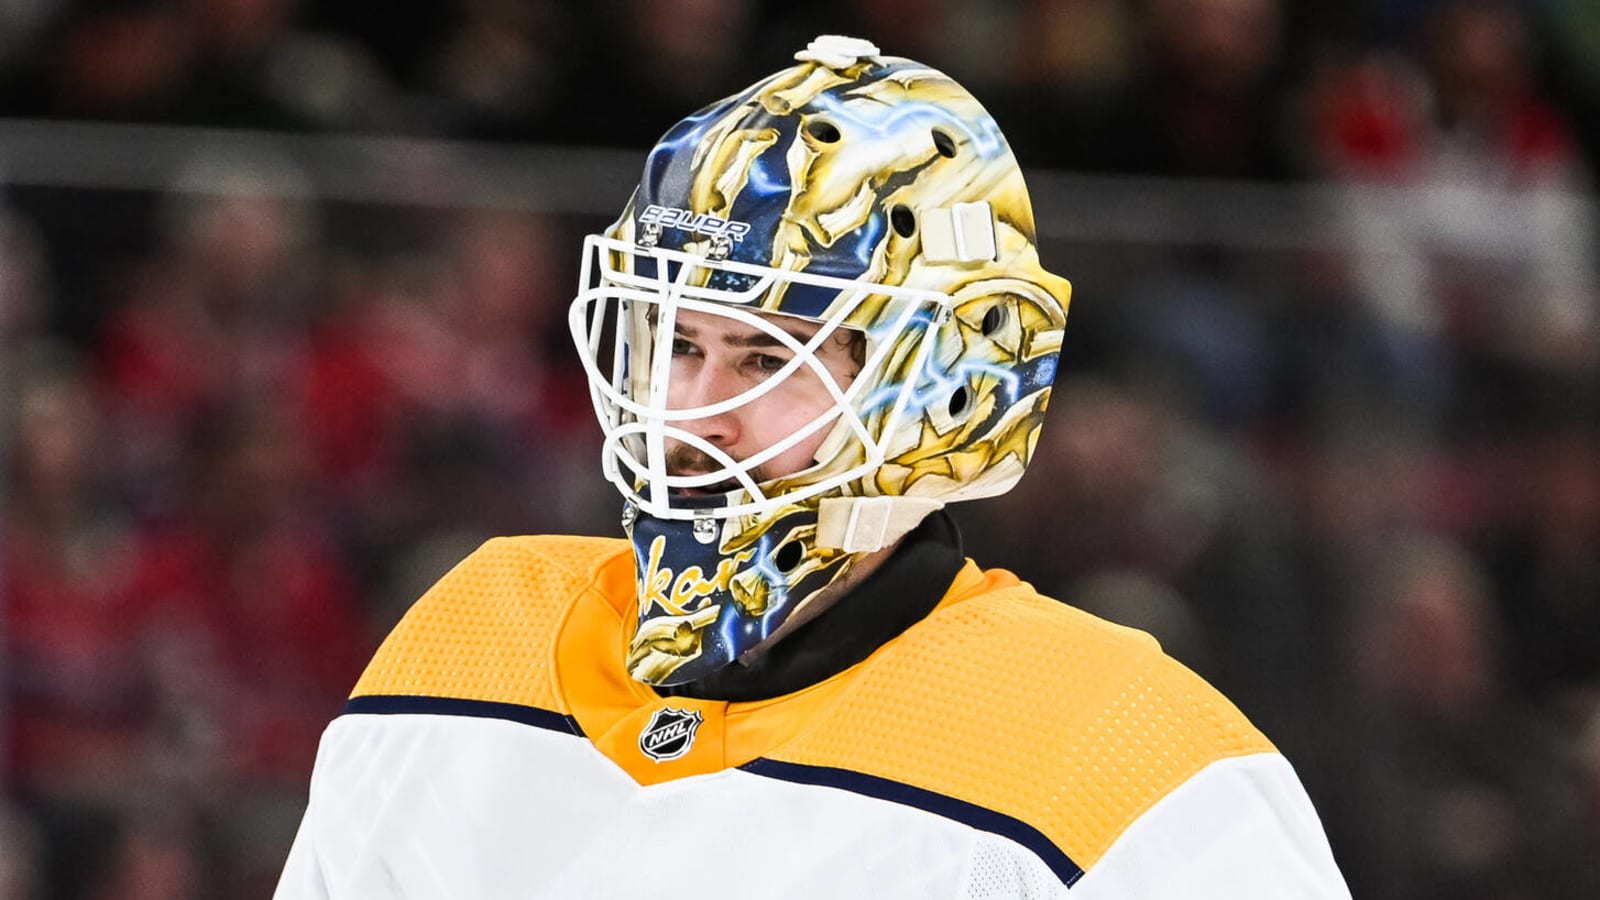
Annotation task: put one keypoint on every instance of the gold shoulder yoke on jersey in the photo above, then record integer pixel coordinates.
(485, 630)
(1016, 703)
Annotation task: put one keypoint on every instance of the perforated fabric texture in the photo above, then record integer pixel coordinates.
(1022, 705)
(1002, 698)
(1000, 870)
(484, 631)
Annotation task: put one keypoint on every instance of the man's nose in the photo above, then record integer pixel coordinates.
(706, 385)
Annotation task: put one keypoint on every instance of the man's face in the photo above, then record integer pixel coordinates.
(715, 357)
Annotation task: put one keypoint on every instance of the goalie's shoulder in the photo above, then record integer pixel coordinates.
(1067, 674)
(485, 630)
(1015, 703)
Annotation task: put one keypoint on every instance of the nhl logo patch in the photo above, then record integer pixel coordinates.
(670, 733)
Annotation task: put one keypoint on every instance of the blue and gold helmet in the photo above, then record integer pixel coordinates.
(869, 195)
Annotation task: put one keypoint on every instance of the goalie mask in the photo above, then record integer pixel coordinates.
(820, 318)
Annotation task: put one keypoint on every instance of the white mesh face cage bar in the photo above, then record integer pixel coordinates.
(630, 389)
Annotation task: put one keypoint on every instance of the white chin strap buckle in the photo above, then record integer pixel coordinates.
(865, 524)
(963, 232)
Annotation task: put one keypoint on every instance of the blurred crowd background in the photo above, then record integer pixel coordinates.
(282, 299)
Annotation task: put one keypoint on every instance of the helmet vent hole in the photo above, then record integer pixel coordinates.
(960, 400)
(787, 557)
(903, 220)
(944, 143)
(993, 321)
(823, 130)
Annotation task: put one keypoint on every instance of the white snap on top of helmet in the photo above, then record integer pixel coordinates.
(837, 50)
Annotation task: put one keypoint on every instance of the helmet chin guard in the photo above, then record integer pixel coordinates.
(873, 199)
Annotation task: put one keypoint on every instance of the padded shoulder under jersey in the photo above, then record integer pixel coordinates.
(1002, 701)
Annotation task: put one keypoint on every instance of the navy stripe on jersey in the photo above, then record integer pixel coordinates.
(897, 792)
(393, 704)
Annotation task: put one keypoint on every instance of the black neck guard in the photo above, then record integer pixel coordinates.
(897, 595)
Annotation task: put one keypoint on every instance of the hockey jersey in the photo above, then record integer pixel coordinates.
(1006, 745)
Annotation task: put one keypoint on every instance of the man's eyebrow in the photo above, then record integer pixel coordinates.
(763, 339)
(754, 338)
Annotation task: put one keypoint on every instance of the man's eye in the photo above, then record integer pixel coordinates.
(768, 363)
(681, 347)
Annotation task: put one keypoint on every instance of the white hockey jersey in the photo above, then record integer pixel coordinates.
(1005, 746)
